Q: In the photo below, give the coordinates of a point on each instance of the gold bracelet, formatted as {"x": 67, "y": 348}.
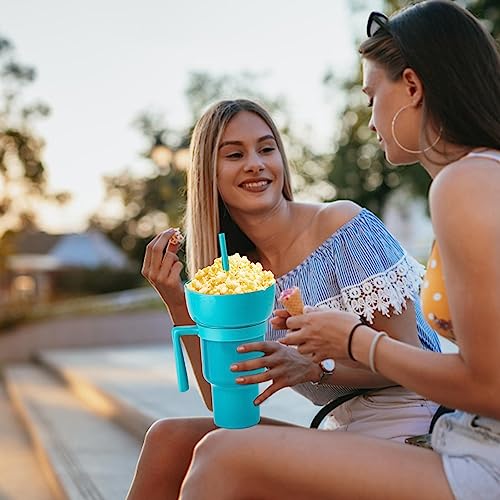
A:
{"x": 373, "y": 346}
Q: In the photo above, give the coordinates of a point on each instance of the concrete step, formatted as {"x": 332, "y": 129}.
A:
{"x": 18, "y": 461}
{"x": 132, "y": 386}
{"x": 137, "y": 385}
{"x": 85, "y": 456}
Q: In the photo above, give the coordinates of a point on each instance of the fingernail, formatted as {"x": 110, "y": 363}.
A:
{"x": 234, "y": 367}
{"x": 256, "y": 402}
{"x": 240, "y": 379}
{"x": 240, "y": 348}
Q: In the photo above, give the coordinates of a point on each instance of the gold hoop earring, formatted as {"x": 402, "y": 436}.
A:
{"x": 412, "y": 151}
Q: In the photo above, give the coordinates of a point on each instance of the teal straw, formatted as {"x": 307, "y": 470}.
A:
{"x": 223, "y": 251}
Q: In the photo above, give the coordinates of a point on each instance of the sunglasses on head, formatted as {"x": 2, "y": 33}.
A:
{"x": 376, "y": 21}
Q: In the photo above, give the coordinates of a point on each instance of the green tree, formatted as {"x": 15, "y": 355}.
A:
{"x": 489, "y": 12}
{"x": 358, "y": 169}
{"x": 23, "y": 176}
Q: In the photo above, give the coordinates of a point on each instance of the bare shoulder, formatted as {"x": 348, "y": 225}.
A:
{"x": 466, "y": 181}
{"x": 334, "y": 215}
{"x": 464, "y": 200}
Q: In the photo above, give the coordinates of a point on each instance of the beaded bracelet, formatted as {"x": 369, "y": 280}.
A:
{"x": 373, "y": 346}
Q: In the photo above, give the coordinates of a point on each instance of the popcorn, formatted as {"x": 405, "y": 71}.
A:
{"x": 177, "y": 238}
{"x": 243, "y": 277}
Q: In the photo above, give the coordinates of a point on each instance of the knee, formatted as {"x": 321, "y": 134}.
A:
{"x": 166, "y": 435}
{"x": 214, "y": 450}
{"x": 211, "y": 468}
{"x": 159, "y": 432}
{"x": 210, "y": 444}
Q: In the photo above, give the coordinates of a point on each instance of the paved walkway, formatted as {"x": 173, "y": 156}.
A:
{"x": 144, "y": 376}
{"x": 89, "y": 330}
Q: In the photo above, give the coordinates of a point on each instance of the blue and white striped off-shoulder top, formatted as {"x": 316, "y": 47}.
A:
{"x": 361, "y": 268}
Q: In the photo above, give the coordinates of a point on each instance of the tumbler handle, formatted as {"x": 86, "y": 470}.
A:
{"x": 180, "y": 364}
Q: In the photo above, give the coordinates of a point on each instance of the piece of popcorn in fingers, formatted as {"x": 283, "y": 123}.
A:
{"x": 291, "y": 299}
{"x": 177, "y": 238}
{"x": 175, "y": 242}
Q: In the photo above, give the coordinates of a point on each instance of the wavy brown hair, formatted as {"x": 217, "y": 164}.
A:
{"x": 457, "y": 61}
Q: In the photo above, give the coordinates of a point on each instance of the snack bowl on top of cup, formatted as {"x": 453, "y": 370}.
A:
{"x": 230, "y": 311}
{"x": 239, "y": 296}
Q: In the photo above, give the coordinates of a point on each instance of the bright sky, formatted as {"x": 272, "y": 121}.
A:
{"x": 102, "y": 62}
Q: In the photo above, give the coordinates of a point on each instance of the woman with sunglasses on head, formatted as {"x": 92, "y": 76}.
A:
{"x": 432, "y": 76}
{"x": 337, "y": 253}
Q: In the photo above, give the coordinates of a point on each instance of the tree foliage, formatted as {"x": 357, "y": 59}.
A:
{"x": 355, "y": 169}
{"x": 23, "y": 176}
{"x": 489, "y": 12}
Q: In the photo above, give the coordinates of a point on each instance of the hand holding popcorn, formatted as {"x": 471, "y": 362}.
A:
{"x": 162, "y": 267}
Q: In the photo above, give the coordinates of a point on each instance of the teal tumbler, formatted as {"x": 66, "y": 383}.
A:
{"x": 223, "y": 322}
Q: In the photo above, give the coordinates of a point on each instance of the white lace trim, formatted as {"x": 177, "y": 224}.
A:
{"x": 381, "y": 292}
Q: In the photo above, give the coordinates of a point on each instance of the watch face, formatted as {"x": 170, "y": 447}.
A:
{"x": 327, "y": 365}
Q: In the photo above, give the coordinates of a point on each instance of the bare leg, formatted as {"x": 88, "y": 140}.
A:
{"x": 265, "y": 463}
{"x": 165, "y": 457}
{"x": 166, "y": 454}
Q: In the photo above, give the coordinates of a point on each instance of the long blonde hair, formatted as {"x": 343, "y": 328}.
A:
{"x": 205, "y": 212}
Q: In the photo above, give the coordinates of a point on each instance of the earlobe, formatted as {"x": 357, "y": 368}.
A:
{"x": 413, "y": 85}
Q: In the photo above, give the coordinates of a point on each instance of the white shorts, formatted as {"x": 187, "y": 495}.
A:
{"x": 394, "y": 413}
{"x": 470, "y": 449}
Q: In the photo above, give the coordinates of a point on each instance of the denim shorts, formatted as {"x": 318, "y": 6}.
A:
{"x": 470, "y": 449}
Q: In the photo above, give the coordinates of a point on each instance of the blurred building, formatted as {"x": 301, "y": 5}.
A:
{"x": 39, "y": 257}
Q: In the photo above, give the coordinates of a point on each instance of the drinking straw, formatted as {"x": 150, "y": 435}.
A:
{"x": 223, "y": 251}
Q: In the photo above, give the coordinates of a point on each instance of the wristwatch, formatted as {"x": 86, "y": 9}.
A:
{"x": 328, "y": 367}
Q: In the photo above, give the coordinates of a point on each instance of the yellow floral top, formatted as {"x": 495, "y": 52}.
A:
{"x": 433, "y": 295}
